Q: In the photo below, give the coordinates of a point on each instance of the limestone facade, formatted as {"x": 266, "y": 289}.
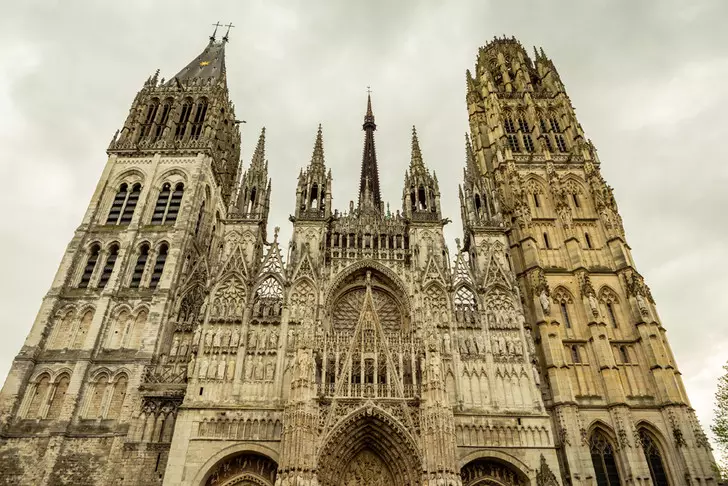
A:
{"x": 178, "y": 345}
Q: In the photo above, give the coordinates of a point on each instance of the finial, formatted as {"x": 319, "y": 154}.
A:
{"x": 259, "y": 154}
{"x": 227, "y": 33}
{"x": 214, "y": 32}
{"x": 457, "y": 243}
{"x": 276, "y": 230}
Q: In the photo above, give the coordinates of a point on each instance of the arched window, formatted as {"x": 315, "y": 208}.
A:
{"x": 160, "y": 209}
{"x": 63, "y": 331}
{"x": 159, "y": 130}
{"x": 199, "y": 119}
{"x": 654, "y": 459}
{"x": 174, "y": 203}
{"x": 141, "y": 263}
{"x": 158, "y": 266}
{"x": 146, "y": 127}
{"x": 117, "y": 397}
{"x": 118, "y": 324}
{"x": 168, "y": 204}
{"x": 612, "y": 315}
{"x": 422, "y": 198}
{"x": 96, "y": 398}
{"x": 184, "y": 117}
{"x": 118, "y": 204}
{"x": 624, "y": 354}
{"x": 477, "y": 204}
{"x": 602, "y": 454}
{"x": 545, "y": 136}
{"x": 575, "y": 355}
{"x": 84, "y": 325}
{"x": 131, "y": 203}
{"x": 109, "y": 266}
{"x": 251, "y": 203}
{"x": 88, "y": 270}
{"x": 511, "y": 135}
{"x": 525, "y": 133}
{"x": 314, "y": 197}
{"x": 42, "y": 385}
{"x": 565, "y": 315}
{"x": 59, "y": 394}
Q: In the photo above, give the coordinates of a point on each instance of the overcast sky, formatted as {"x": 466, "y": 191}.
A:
{"x": 648, "y": 80}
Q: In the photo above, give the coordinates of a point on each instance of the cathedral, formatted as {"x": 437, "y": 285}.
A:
{"x": 181, "y": 343}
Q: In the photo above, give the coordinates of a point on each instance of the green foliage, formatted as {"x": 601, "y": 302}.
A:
{"x": 720, "y": 424}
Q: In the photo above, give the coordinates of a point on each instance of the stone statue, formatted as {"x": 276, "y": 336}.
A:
{"x": 175, "y": 346}
{"x": 191, "y": 366}
{"x": 221, "y": 365}
{"x": 208, "y": 339}
{"x": 230, "y": 374}
{"x": 446, "y": 343}
{"x": 235, "y": 339}
{"x": 273, "y": 339}
{"x": 545, "y": 303}
{"x": 593, "y": 304}
{"x": 196, "y": 336}
{"x": 203, "y": 368}
{"x": 269, "y": 370}
{"x": 252, "y": 339}
{"x": 216, "y": 339}
{"x": 212, "y": 369}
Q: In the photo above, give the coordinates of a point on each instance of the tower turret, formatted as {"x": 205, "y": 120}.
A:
{"x": 313, "y": 194}
{"x": 191, "y": 113}
{"x": 421, "y": 194}
{"x": 254, "y": 192}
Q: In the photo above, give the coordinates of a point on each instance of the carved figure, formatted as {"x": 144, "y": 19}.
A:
{"x": 545, "y": 303}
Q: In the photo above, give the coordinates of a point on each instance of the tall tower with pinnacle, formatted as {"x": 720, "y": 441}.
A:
{"x": 177, "y": 345}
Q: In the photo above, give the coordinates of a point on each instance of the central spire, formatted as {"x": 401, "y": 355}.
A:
{"x": 369, "y": 195}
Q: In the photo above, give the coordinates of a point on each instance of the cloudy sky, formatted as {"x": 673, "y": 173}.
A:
{"x": 648, "y": 80}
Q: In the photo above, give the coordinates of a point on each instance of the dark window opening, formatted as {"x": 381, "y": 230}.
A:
{"x": 158, "y": 266}
{"x": 612, "y": 315}
{"x": 108, "y": 267}
{"x": 90, "y": 266}
{"x": 160, "y": 209}
{"x": 131, "y": 204}
{"x": 546, "y": 241}
{"x": 588, "y": 240}
{"x": 141, "y": 263}
{"x": 565, "y": 315}
{"x": 117, "y": 205}
{"x": 184, "y": 117}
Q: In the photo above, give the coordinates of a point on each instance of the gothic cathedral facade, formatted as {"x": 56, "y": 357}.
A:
{"x": 179, "y": 345}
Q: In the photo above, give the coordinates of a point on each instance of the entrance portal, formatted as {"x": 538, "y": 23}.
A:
{"x": 367, "y": 469}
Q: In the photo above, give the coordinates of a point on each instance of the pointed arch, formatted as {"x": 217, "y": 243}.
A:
{"x": 602, "y": 446}
{"x": 60, "y": 387}
{"x": 654, "y": 447}
{"x": 370, "y": 429}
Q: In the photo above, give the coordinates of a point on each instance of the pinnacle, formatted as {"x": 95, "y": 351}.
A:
{"x": 318, "y": 149}
{"x": 469, "y": 156}
{"x": 416, "y": 152}
{"x": 259, "y": 154}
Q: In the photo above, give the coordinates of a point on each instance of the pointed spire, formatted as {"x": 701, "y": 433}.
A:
{"x": 259, "y": 154}
{"x": 208, "y": 67}
{"x": 318, "y": 149}
{"x": 416, "y": 159}
{"x": 369, "y": 195}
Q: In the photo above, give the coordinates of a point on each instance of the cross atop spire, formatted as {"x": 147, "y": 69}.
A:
{"x": 227, "y": 33}
{"x": 214, "y": 32}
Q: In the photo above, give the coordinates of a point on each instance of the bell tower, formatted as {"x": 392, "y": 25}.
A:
{"x": 611, "y": 383}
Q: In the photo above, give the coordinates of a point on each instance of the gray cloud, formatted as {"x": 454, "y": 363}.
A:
{"x": 647, "y": 79}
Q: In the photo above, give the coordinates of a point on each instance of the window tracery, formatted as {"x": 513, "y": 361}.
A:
{"x": 347, "y": 308}
{"x": 603, "y": 460}
{"x": 653, "y": 455}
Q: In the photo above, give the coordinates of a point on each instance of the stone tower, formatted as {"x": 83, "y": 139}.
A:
{"x": 609, "y": 380}
{"x": 177, "y": 345}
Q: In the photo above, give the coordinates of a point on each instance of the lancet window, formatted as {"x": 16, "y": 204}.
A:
{"x": 168, "y": 204}
{"x": 184, "y": 118}
{"x": 603, "y": 460}
{"x": 654, "y": 458}
{"x": 146, "y": 127}
{"x": 108, "y": 266}
{"x": 88, "y": 270}
{"x": 159, "y": 265}
{"x": 198, "y": 121}
{"x": 139, "y": 266}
